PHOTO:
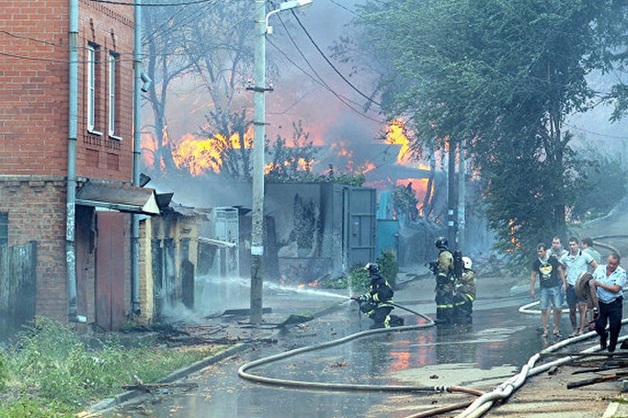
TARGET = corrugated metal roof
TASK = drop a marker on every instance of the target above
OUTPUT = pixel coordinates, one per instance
(118, 196)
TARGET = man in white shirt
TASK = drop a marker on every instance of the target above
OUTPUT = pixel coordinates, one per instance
(609, 281)
(576, 262)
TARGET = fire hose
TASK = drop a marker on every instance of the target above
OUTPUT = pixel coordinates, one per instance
(244, 373)
(482, 404)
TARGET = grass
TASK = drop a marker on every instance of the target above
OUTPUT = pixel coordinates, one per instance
(50, 372)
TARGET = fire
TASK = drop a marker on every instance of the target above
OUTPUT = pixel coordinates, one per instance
(301, 164)
(395, 134)
(342, 150)
(202, 155)
(311, 284)
(513, 235)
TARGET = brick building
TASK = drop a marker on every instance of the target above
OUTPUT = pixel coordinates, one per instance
(53, 141)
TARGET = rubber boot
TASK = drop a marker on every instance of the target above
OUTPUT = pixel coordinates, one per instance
(443, 316)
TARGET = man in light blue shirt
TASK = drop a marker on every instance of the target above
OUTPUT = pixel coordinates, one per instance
(576, 262)
(609, 281)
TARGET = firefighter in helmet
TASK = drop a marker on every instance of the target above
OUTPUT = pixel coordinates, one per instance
(444, 291)
(376, 302)
(464, 293)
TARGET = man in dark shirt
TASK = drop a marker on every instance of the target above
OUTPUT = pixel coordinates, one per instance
(551, 277)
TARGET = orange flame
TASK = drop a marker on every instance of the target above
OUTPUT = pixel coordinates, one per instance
(513, 235)
(395, 134)
(203, 155)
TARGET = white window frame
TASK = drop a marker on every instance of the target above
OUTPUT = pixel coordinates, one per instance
(91, 88)
(113, 111)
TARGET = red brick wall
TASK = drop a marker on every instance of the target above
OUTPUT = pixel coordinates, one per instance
(36, 208)
(33, 71)
(34, 125)
(111, 28)
(34, 74)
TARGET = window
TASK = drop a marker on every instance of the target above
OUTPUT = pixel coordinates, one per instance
(92, 87)
(4, 228)
(113, 83)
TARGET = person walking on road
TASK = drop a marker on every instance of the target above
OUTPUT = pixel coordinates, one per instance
(551, 278)
(609, 281)
(576, 262)
(557, 249)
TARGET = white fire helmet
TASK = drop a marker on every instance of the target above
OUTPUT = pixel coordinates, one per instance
(467, 263)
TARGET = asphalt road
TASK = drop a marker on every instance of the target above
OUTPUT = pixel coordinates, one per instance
(480, 356)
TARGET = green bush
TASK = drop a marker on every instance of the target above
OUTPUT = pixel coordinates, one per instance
(357, 280)
(389, 267)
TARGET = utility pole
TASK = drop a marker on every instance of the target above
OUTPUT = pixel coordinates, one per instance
(461, 195)
(259, 139)
(259, 123)
(451, 195)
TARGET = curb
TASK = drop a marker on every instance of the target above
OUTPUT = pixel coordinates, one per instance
(126, 396)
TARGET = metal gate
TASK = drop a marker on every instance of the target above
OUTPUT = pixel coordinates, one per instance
(360, 228)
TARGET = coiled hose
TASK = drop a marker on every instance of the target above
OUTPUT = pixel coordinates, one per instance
(244, 373)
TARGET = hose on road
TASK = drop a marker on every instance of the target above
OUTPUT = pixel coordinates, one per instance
(244, 373)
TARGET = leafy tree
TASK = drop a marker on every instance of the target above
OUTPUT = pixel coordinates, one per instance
(293, 163)
(405, 202)
(503, 75)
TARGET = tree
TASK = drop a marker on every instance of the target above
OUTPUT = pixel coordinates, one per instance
(293, 163)
(163, 65)
(503, 75)
(208, 45)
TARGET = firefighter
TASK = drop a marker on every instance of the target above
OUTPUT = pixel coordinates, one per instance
(444, 291)
(376, 302)
(464, 293)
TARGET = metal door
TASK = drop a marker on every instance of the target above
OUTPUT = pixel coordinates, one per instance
(110, 277)
(360, 228)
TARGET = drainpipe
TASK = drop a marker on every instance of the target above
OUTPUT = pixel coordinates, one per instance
(135, 221)
(70, 255)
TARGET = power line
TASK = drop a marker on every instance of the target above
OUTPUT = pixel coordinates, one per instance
(331, 64)
(183, 3)
(342, 99)
(596, 133)
(320, 80)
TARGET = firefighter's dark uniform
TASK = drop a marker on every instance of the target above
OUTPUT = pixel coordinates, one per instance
(376, 302)
(444, 291)
(464, 295)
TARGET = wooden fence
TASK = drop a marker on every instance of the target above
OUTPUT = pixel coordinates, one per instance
(17, 287)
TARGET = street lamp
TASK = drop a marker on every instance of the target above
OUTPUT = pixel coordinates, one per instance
(259, 134)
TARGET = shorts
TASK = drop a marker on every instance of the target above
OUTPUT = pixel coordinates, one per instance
(572, 296)
(550, 296)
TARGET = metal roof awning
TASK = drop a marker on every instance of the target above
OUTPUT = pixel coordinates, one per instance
(120, 197)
